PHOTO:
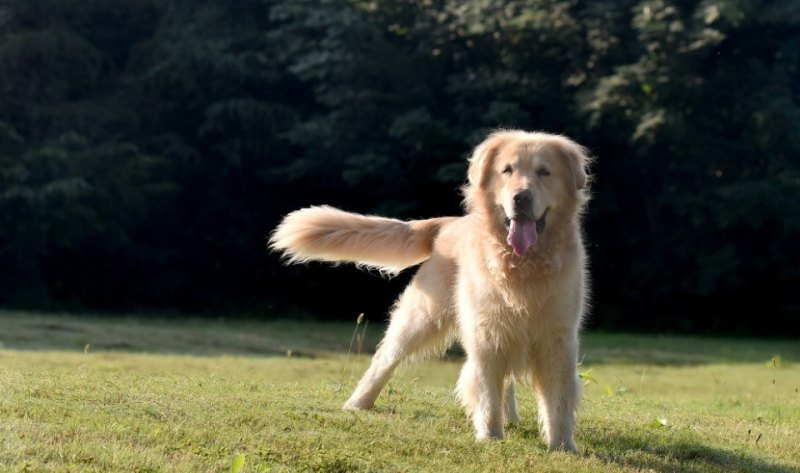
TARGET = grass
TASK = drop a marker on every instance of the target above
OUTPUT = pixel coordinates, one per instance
(198, 395)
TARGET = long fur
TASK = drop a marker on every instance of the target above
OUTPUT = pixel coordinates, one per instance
(328, 234)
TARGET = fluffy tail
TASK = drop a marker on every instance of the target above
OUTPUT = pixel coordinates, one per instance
(329, 234)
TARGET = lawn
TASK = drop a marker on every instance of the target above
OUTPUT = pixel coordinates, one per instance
(152, 394)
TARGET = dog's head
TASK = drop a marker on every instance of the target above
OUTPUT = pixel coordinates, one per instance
(525, 182)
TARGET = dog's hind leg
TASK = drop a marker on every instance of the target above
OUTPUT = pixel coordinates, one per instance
(418, 326)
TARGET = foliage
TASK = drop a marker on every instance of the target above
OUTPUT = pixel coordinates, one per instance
(147, 148)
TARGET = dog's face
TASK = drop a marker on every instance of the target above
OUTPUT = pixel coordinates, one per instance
(527, 180)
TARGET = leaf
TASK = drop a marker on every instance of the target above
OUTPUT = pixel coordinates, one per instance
(238, 463)
(659, 423)
(587, 377)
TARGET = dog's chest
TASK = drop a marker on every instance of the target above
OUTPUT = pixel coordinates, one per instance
(522, 285)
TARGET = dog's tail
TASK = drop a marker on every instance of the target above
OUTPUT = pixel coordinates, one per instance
(329, 234)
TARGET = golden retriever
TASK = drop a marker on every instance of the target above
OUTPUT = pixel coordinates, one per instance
(508, 279)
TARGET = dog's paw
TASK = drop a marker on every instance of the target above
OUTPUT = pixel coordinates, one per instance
(567, 447)
(484, 435)
(355, 405)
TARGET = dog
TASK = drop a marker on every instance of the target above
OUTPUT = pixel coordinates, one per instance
(508, 279)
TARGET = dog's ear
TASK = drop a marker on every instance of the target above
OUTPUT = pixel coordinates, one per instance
(578, 159)
(483, 157)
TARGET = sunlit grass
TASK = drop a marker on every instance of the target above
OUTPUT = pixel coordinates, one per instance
(239, 403)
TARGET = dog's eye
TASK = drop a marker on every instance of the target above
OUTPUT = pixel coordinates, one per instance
(507, 170)
(542, 172)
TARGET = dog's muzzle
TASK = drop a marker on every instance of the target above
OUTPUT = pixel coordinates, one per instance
(523, 231)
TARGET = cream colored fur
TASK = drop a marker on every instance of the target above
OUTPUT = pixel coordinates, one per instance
(328, 234)
(518, 318)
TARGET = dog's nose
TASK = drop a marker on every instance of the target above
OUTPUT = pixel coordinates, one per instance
(523, 199)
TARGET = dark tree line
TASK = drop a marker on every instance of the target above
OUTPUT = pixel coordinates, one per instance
(148, 147)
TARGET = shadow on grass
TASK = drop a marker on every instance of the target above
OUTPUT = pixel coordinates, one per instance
(664, 454)
(208, 336)
(650, 451)
(191, 336)
(670, 350)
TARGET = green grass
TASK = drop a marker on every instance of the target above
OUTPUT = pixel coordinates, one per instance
(200, 395)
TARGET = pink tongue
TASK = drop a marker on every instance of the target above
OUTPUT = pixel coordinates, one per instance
(521, 235)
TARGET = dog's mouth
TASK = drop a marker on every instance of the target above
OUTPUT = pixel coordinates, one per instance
(523, 231)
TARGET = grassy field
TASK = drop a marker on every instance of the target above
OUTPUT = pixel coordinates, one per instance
(144, 394)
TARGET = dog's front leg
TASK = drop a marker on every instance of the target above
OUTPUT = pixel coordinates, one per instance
(558, 390)
(480, 388)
